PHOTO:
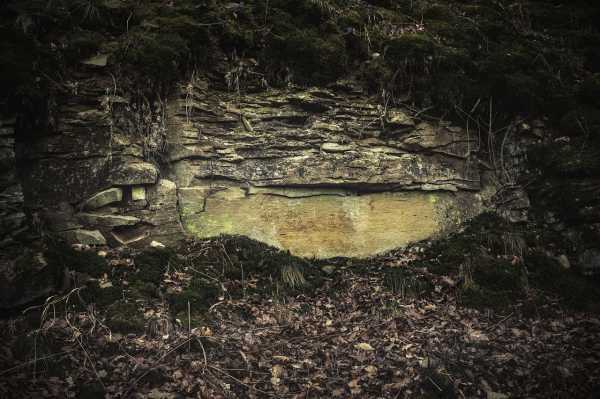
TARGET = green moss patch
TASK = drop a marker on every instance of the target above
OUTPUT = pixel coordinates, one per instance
(491, 283)
(313, 57)
(446, 54)
(123, 317)
(497, 264)
(576, 291)
(199, 295)
(236, 267)
(240, 259)
(65, 257)
(102, 297)
(153, 264)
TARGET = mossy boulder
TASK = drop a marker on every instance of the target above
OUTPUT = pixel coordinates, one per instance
(484, 233)
(240, 257)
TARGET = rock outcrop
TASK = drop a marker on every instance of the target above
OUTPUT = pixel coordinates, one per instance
(322, 172)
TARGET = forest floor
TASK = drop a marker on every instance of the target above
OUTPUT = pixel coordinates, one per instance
(349, 336)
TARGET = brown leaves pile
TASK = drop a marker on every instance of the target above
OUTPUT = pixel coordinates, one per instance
(350, 338)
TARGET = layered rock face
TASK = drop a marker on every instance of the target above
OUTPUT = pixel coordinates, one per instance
(321, 172)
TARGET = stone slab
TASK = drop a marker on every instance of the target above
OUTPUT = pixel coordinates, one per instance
(325, 226)
(104, 198)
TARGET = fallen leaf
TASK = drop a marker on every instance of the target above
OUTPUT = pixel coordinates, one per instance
(276, 372)
(371, 370)
(364, 346)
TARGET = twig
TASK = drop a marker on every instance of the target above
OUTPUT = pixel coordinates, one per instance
(135, 382)
(436, 385)
(203, 352)
(240, 382)
(500, 322)
(189, 326)
(87, 355)
(3, 372)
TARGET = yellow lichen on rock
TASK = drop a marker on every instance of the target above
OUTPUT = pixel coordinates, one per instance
(323, 225)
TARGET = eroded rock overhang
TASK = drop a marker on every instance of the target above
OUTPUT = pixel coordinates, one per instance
(321, 172)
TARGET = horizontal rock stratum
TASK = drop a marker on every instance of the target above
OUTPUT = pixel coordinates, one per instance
(321, 172)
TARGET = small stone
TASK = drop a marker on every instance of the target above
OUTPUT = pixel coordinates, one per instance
(102, 254)
(335, 147)
(99, 60)
(156, 244)
(428, 362)
(399, 118)
(564, 261)
(138, 193)
(93, 219)
(104, 198)
(78, 247)
(85, 237)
